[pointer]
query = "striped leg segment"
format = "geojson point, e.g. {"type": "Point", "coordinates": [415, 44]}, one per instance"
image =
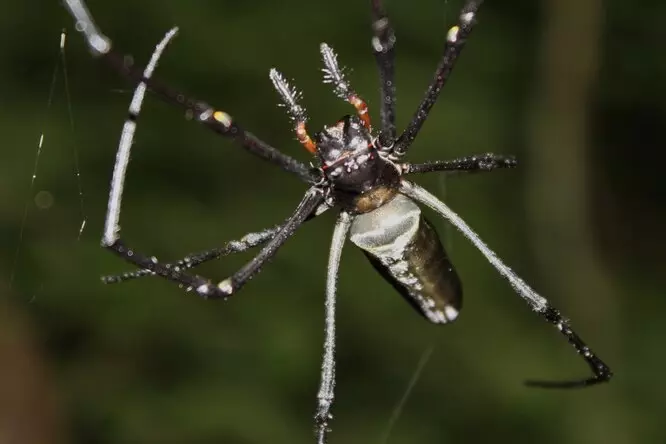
{"type": "Point", "coordinates": [335, 75]}
{"type": "Point", "coordinates": [215, 119]}
{"type": "Point", "coordinates": [455, 41]}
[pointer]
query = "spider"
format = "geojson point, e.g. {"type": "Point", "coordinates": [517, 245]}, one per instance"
{"type": "Point", "coordinates": [360, 172]}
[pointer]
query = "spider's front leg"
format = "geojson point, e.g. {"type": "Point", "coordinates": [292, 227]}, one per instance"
{"type": "Point", "coordinates": [383, 43]}
{"type": "Point", "coordinates": [455, 41]}
{"type": "Point", "coordinates": [215, 119]}
{"type": "Point", "coordinates": [111, 239]}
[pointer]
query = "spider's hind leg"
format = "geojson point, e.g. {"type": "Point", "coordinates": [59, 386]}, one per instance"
{"type": "Point", "coordinates": [326, 394]}
{"type": "Point", "coordinates": [600, 371]}
{"type": "Point", "coordinates": [111, 238]}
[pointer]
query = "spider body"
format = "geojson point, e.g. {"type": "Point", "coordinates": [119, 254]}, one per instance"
{"type": "Point", "coordinates": [354, 172]}
{"type": "Point", "coordinates": [404, 248]}
{"type": "Point", "coordinates": [350, 162]}
{"type": "Point", "coordinates": [360, 174]}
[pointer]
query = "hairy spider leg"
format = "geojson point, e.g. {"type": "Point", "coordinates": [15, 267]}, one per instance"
{"type": "Point", "coordinates": [476, 163]}
{"type": "Point", "coordinates": [601, 372]}
{"type": "Point", "coordinates": [290, 97]}
{"type": "Point", "coordinates": [227, 287]}
{"type": "Point", "coordinates": [111, 240]}
{"type": "Point", "coordinates": [214, 119]}
{"type": "Point", "coordinates": [326, 393]}
{"type": "Point", "coordinates": [191, 260]}
{"type": "Point", "coordinates": [249, 240]}
{"type": "Point", "coordinates": [309, 203]}
{"type": "Point", "coordinates": [383, 47]}
{"type": "Point", "coordinates": [455, 41]}
{"type": "Point", "coordinates": [334, 75]}
{"type": "Point", "coordinates": [111, 223]}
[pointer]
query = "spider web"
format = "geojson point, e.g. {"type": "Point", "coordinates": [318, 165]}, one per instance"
{"type": "Point", "coordinates": [44, 199]}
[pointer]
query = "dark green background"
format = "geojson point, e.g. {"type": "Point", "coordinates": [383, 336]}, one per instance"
{"type": "Point", "coordinates": [574, 88]}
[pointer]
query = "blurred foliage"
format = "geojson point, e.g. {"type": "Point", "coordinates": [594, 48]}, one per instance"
{"type": "Point", "coordinates": [144, 362]}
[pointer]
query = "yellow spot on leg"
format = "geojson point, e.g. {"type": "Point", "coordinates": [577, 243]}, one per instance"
{"type": "Point", "coordinates": [452, 35]}
{"type": "Point", "coordinates": [223, 118]}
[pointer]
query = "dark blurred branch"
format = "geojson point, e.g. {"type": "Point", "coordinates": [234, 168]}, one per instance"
{"type": "Point", "coordinates": [559, 163]}
{"type": "Point", "coordinates": [28, 405]}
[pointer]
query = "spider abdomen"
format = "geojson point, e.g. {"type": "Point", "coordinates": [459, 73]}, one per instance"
{"type": "Point", "coordinates": [404, 247]}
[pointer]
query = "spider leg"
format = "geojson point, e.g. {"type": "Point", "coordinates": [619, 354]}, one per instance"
{"type": "Point", "coordinates": [383, 43]}
{"type": "Point", "coordinates": [310, 202]}
{"type": "Point", "coordinates": [217, 120]}
{"type": "Point", "coordinates": [601, 372]}
{"type": "Point", "coordinates": [327, 385]}
{"type": "Point", "coordinates": [476, 163]}
{"type": "Point", "coordinates": [111, 223]}
{"type": "Point", "coordinates": [225, 288]}
{"type": "Point", "coordinates": [455, 41]}
{"type": "Point", "coordinates": [290, 97]}
{"type": "Point", "coordinates": [250, 240]}
{"type": "Point", "coordinates": [335, 75]}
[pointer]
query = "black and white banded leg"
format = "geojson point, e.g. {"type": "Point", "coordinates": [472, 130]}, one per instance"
{"type": "Point", "coordinates": [327, 385]}
{"type": "Point", "coordinates": [229, 286]}
{"type": "Point", "coordinates": [455, 41]}
{"type": "Point", "coordinates": [601, 372]}
{"type": "Point", "coordinates": [477, 163]}
{"type": "Point", "coordinates": [111, 240]}
{"type": "Point", "coordinates": [383, 44]}
{"type": "Point", "coordinates": [290, 97]}
{"type": "Point", "coordinates": [335, 76]}
{"type": "Point", "coordinates": [217, 120]}
{"type": "Point", "coordinates": [111, 227]}
{"type": "Point", "coordinates": [250, 240]}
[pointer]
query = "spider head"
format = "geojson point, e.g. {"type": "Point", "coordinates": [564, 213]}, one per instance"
{"type": "Point", "coordinates": [345, 145]}
{"type": "Point", "coordinates": [346, 151]}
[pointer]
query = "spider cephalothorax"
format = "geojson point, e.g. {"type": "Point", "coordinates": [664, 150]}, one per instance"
{"type": "Point", "coordinates": [347, 139]}
{"type": "Point", "coordinates": [357, 174]}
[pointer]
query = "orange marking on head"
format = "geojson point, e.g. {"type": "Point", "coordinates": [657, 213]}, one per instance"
{"type": "Point", "coordinates": [304, 138]}
{"type": "Point", "coordinates": [361, 109]}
